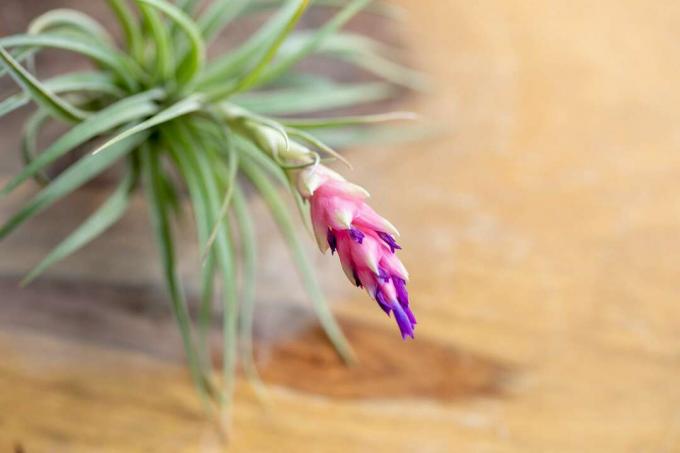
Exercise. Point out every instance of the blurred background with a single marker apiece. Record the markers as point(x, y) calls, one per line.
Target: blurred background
point(540, 226)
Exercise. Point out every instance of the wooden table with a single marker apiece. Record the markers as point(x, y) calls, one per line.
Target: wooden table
point(542, 231)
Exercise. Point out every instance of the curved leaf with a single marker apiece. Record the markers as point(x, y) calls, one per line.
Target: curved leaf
point(78, 81)
point(38, 92)
point(77, 174)
point(120, 64)
point(129, 109)
point(70, 18)
point(181, 108)
point(104, 217)
point(193, 62)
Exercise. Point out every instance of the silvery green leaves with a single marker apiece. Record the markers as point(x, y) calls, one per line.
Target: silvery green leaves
point(156, 110)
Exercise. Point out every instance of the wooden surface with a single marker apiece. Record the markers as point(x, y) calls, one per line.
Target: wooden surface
point(541, 230)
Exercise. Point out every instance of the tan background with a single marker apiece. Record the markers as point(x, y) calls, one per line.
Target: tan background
point(541, 231)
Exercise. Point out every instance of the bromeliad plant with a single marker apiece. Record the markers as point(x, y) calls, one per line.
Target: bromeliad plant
point(175, 121)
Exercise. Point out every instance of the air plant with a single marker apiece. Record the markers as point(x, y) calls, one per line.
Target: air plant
point(177, 122)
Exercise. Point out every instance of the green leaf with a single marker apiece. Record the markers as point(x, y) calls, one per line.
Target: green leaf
point(275, 39)
point(30, 139)
point(77, 174)
point(128, 23)
point(19, 56)
point(158, 209)
point(310, 139)
point(218, 15)
point(200, 178)
point(225, 256)
point(343, 121)
point(161, 37)
point(181, 108)
point(193, 62)
point(314, 41)
point(77, 81)
point(129, 109)
point(70, 19)
point(38, 92)
point(110, 58)
point(281, 215)
point(107, 214)
point(381, 8)
point(202, 217)
point(230, 182)
point(312, 99)
point(230, 64)
point(248, 242)
point(187, 6)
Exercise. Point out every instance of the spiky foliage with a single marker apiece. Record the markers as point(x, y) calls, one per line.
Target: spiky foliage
point(178, 122)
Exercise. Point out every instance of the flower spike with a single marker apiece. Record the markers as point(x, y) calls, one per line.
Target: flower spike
point(364, 241)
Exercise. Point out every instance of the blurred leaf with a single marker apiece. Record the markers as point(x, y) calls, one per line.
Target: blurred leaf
point(218, 15)
point(282, 217)
point(315, 40)
point(163, 233)
point(77, 174)
point(107, 214)
point(39, 92)
point(119, 63)
point(77, 81)
point(312, 99)
point(128, 23)
point(343, 121)
point(29, 142)
point(164, 57)
point(255, 49)
point(181, 108)
point(248, 242)
point(193, 62)
point(129, 109)
point(71, 19)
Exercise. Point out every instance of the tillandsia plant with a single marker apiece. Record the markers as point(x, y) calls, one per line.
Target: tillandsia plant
point(176, 122)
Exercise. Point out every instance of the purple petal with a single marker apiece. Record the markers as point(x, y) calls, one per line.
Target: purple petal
point(383, 275)
point(410, 315)
point(389, 240)
point(382, 302)
point(332, 241)
point(400, 287)
point(357, 235)
point(403, 321)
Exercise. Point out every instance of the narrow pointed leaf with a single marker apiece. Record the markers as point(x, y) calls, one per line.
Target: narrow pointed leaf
point(163, 233)
point(104, 217)
point(29, 142)
point(80, 81)
point(129, 25)
point(317, 123)
point(282, 217)
point(248, 241)
point(253, 49)
point(218, 15)
point(70, 19)
point(38, 92)
point(127, 69)
point(314, 41)
point(181, 108)
point(129, 109)
point(194, 60)
point(306, 100)
point(76, 175)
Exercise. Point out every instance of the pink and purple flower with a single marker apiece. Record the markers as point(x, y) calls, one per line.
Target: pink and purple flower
point(365, 241)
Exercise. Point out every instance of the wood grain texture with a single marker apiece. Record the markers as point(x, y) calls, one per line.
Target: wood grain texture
point(541, 229)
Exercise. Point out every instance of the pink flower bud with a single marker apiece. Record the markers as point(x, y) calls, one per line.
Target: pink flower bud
point(364, 240)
